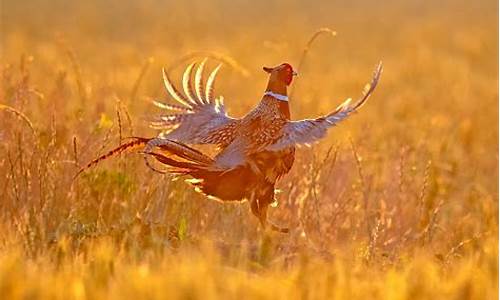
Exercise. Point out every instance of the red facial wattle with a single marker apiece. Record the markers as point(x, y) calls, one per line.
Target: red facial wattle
point(287, 68)
point(289, 77)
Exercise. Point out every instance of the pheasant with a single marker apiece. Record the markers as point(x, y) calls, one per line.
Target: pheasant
point(254, 151)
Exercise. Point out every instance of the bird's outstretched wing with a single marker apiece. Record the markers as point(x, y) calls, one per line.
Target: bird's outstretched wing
point(311, 130)
point(199, 117)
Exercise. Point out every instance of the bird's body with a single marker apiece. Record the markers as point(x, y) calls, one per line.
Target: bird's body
point(255, 151)
point(243, 169)
point(262, 126)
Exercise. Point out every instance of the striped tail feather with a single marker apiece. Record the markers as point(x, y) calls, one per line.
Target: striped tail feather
point(178, 149)
point(175, 167)
point(181, 157)
point(137, 142)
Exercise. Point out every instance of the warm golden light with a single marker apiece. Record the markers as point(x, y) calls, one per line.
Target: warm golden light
point(399, 201)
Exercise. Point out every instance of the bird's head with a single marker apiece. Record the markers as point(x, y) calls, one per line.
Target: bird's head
point(281, 74)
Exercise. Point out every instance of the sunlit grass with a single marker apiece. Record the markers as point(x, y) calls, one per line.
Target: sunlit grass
point(399, 202)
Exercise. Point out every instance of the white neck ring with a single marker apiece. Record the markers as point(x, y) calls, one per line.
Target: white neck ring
point(276, 96)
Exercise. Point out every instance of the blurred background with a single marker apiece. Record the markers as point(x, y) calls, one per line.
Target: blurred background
point(417, 40)
point(416, 171)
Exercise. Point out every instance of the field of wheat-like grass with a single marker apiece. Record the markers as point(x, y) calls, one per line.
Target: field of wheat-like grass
point(398, 202)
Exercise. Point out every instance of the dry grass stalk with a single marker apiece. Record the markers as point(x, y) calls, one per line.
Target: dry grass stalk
point(219, 57)
point(75, 66)
point(121, 107)
point(307, 48)
point(75, 153)
point(20, 115)
point(364, 190)
point(424, 213)
point(138, 81)
point(128, 233)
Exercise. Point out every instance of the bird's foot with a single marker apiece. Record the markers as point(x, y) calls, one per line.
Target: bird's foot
point(278, 228)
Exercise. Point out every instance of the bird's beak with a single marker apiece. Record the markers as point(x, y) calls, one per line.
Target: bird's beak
point(295, 73)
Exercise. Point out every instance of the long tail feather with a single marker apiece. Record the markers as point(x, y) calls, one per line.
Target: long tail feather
point(193, 154)
point(137, 142)
point(171, 151)
point(174, 163)
point(178, 149)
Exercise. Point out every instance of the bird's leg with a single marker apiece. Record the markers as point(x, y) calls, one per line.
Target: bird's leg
point(278, 228)
point(259, 209)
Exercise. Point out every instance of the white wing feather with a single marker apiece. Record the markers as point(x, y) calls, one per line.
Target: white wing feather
point(311, 130)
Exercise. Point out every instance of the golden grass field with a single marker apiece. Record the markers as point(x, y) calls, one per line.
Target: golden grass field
point(398, 202)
